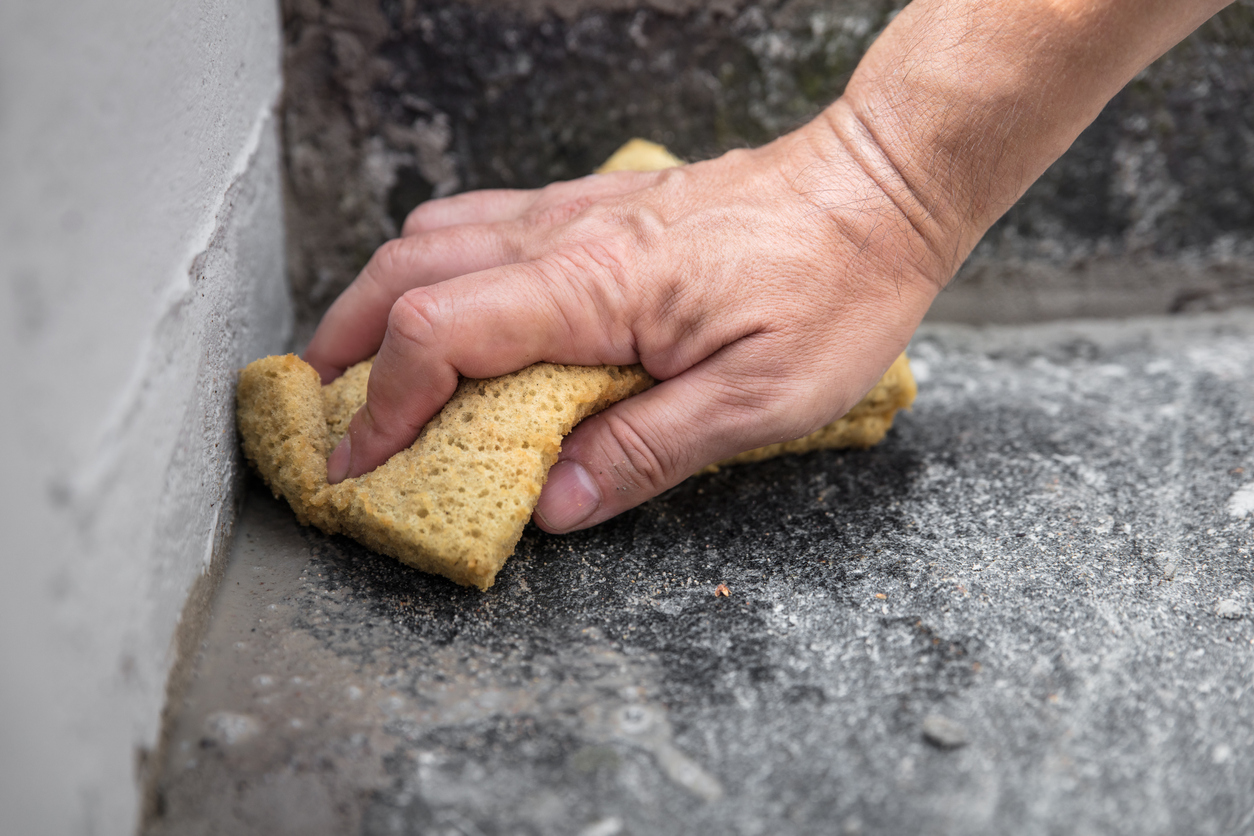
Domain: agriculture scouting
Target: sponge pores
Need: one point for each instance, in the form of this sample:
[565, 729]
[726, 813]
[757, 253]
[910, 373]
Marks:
[456, 501]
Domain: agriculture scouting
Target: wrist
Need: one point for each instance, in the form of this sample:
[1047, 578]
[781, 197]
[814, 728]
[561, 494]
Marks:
[963, 104]
[885, 249]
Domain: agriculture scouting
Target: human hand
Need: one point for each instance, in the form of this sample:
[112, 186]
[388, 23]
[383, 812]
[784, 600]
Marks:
[766, 289]
[766, 300]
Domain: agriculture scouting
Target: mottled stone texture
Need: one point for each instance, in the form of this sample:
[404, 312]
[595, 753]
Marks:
[390, 102]
[1029, 611]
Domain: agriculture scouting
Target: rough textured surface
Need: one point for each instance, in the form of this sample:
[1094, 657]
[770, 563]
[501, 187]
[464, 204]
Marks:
[390, 102]
[141, 264]
[1048, 559]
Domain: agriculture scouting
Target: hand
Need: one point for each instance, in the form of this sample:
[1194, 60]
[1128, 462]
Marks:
[768, 290]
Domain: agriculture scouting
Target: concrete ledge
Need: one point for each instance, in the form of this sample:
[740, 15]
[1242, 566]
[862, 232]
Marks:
[1031, 610]
[141, 257]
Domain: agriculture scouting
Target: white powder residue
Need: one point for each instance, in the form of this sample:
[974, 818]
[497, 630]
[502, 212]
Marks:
[1242, 502]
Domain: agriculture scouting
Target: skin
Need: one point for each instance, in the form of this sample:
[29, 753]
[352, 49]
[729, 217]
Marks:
[767, 289]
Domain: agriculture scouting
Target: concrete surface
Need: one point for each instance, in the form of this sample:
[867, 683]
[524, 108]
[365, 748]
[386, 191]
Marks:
[389, 103]
[141, 263]
[1029, 611]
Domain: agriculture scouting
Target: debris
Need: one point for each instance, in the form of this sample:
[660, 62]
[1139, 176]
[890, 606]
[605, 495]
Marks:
[943, 733]
[229, 728]
[605, 827]
[1241, 503]
[1228, 608]
[881, 596]
[722, 589]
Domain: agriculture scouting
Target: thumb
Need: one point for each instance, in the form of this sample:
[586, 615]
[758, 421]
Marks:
[644, 445]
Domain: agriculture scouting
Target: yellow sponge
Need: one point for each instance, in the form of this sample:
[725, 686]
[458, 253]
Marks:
[454, 503]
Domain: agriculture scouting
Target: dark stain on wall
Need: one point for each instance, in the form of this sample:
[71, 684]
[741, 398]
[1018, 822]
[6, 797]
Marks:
[390, 102]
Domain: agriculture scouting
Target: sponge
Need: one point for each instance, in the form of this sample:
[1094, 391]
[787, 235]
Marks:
[456, 501]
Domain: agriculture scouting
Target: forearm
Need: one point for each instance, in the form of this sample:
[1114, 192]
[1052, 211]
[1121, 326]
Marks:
[959, 106]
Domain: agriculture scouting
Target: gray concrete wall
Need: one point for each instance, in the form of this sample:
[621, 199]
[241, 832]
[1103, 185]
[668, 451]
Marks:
[141, 264]
[393, 101]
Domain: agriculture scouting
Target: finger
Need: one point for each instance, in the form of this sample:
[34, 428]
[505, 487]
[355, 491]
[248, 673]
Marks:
[479, 326]
[579, 306]
[646, 444]
[481, 207]
[563, 200]
[353, 328]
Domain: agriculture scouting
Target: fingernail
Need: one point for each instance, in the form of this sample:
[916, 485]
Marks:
[569, 497]
[339, 460]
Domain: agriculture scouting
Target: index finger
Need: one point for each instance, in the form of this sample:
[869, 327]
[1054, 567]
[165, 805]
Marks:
[353, 328]
[479, 326]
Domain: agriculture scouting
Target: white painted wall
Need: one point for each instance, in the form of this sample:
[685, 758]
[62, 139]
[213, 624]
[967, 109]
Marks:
[141, 264]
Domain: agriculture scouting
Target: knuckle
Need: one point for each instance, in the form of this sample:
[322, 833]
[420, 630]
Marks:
[383, 417]
[552, 214]
[609, 257]
[796, 422]
[613, 242]
[373, 420]
[797, 410]
[637, 466]
[602, 260]
[419, 218]
[747, 404]
[415, 317]
[389, 261]
[779, 407]
[597, 277]
[557, 204]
